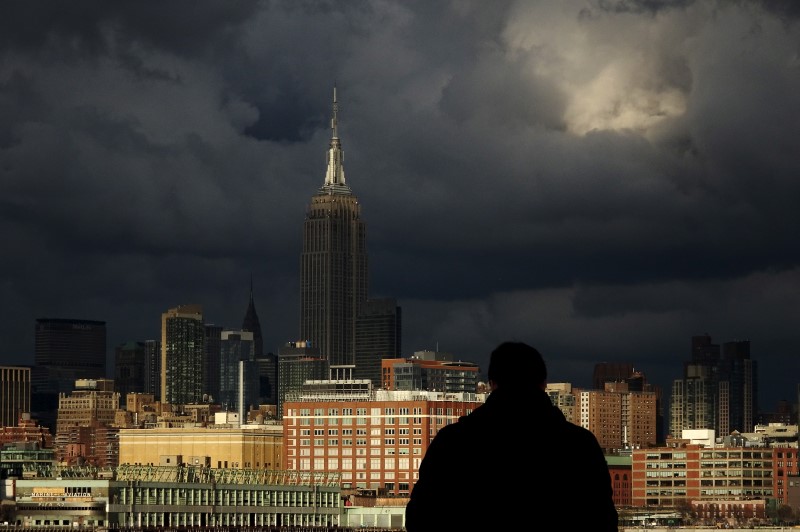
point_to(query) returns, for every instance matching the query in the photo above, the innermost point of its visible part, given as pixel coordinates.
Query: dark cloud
(602, 179)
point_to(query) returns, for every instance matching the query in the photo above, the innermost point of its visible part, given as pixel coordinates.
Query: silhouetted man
(514, 463)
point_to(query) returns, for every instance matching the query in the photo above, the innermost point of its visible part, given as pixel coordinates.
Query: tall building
(65, 350)
(718, 389)
(152, 364)
(251, 323)
(213, 340)
(333, 274)
(129, 369)
(267, 379)
(238, 371)
(378, 336)
(15, 394)
(297, 363)
(183, 355)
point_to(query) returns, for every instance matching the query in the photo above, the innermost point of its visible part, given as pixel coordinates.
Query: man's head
(516, 365)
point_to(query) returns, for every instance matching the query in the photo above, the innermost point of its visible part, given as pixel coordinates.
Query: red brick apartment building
(374, 438)
(727, 476)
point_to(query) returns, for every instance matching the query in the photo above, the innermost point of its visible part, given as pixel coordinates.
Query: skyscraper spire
(251, 323)
(334, 176)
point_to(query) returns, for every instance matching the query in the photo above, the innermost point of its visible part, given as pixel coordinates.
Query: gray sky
(600, 178)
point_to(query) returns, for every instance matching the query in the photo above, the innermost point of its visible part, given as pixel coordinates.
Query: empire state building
(334, 262)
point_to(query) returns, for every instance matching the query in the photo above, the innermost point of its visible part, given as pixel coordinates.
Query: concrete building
(183, 355)
(84, 428)
(375, 438)
(233, 447)
(333, 275)
(15, 394)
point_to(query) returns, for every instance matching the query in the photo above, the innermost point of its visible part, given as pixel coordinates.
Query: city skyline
(603, 180)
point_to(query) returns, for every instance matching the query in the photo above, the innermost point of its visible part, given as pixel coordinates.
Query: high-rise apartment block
(378, 336)
(718, 390)
(183, 355)
(15, 394)
(618, 417)
(375, 438)
(333, 277)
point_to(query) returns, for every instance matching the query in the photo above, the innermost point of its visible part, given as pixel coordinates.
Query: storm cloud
(603, 179)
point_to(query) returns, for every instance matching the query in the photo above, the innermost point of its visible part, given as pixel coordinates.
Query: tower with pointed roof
(251, 323)
(333, 266)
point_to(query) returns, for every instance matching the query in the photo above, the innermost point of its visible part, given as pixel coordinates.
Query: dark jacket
(515, 461)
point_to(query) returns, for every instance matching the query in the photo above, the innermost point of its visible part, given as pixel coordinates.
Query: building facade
(129, 369)
(65, 350)
(254, 446)
(375, 438)
(15, 394)
(183, 355)
(84, 430)
(297, 363)
(718, 390)
(431, 375)
(378, 336)
(675, 475)
(238, 371)
(333, 276)
(152, 364)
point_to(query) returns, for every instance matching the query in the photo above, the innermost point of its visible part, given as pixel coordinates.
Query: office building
(378, 336)
(213, 339)
(183, 355)
(718, 390)
(129, 369)
(267, 365)
(297, 363)
(252, 324)
(238, 372)
(333, 277)
(65, 350)
(15, 394)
